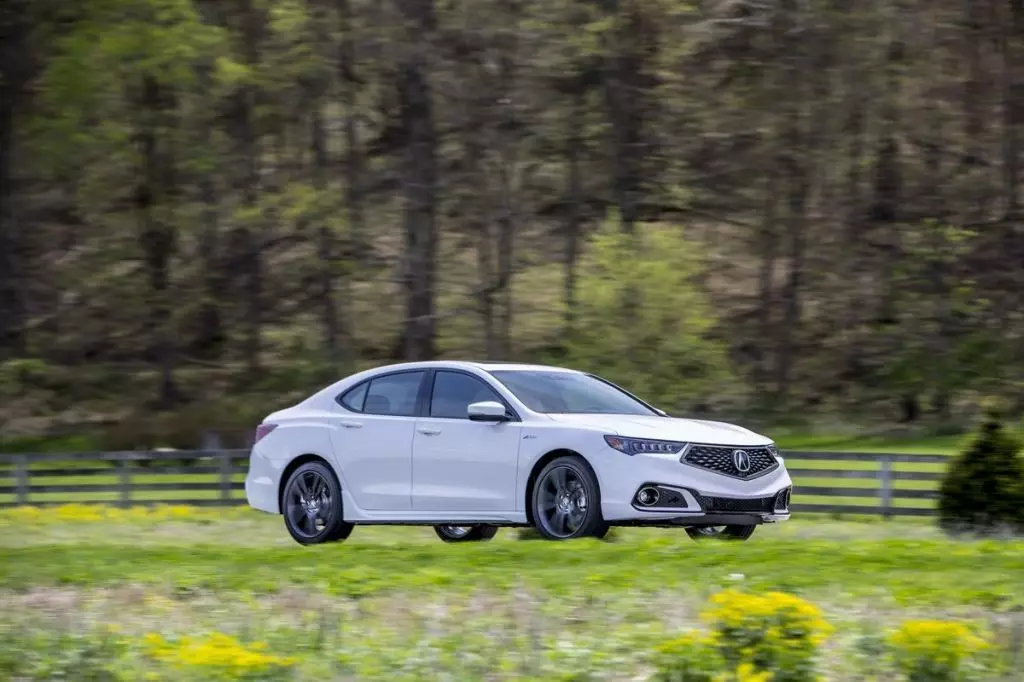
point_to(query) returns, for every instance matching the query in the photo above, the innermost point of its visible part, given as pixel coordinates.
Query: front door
(461, 465)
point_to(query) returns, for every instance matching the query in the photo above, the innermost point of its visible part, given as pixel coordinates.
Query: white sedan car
(467, 447)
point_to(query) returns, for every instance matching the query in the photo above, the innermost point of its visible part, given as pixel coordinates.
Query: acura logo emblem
(742, 460)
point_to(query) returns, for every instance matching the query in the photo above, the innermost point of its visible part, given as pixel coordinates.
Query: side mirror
(487, 411)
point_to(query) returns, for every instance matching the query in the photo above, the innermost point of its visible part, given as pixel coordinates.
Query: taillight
(262, 430)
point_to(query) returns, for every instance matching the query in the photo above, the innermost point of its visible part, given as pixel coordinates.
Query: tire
(312, 507)
(566, 501)
(453, 533)
(720, 532)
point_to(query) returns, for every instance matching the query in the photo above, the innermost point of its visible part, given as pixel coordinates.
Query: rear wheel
(450, 533)
(567, 501)
(720, 532)
(311, 505)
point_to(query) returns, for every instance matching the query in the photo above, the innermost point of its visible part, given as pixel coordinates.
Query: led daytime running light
(634, 446)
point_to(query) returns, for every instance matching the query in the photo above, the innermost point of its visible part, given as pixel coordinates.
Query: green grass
(243, 550)
(398, 604)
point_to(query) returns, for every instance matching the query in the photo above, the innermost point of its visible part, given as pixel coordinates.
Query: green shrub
(937, 651)
(643, 323)
(983, 490)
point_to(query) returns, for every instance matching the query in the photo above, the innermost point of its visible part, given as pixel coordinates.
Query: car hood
(665, 428)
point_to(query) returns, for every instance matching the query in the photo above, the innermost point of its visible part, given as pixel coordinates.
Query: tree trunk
(14, 76)
(574, 216)
(419, 186)
(252, 232)
(622, 93)
(485, 268)
(1013, 105)
(479, 211)
(509, 211)
(325, 238)
(769, 240)
(888, 180)
(353, 149)
(796, 167)
(333, 321)
(156, 236)
(210, 337)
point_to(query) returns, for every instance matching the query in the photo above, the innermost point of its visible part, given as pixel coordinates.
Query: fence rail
(842, 484)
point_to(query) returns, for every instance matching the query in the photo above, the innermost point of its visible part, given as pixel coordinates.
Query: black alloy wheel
(453, 533)
(567, 501)
(720, 532)
(311, 505)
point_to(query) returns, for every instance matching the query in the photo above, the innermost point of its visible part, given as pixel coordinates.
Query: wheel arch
(290, 469)
(539, 465)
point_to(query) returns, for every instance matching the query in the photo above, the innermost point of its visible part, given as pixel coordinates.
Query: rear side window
(394, 394)
(353, 400)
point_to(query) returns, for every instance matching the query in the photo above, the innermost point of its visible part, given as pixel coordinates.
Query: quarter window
(454, 392)
(393, 394)
(353, 400)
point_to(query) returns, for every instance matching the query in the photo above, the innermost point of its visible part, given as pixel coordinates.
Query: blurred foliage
(983, 489)
(218, 656)
(643, 322)
(774, 633)
(938, 651)
(209, 209)
(691, 656)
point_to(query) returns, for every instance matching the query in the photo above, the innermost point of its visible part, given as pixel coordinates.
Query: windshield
(568, 393)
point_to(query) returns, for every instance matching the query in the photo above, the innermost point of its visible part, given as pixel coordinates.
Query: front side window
(393, 394)
(553, 392)
(454, 392)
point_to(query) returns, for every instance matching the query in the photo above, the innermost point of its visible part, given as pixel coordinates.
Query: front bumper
(692, 495)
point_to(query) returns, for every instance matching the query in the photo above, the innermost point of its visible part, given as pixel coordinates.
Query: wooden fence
(824, 482)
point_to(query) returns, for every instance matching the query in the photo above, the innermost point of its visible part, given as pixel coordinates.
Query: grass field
(397, 603)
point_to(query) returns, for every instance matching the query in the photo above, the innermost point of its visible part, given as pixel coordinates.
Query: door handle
(427, 431)
(352, 425)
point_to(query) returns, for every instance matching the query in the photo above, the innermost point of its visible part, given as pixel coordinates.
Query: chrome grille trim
(718, 459)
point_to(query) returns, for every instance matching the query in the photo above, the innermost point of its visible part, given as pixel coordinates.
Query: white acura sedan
(467, 447)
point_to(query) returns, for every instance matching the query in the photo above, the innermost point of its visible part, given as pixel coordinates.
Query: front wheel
(567, 501)
(720, 532)
(450, 533)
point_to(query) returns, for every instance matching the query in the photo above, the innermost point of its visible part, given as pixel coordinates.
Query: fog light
(782, 500)
(648, 496)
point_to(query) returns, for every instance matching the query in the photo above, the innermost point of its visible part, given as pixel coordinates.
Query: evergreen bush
(983, 489)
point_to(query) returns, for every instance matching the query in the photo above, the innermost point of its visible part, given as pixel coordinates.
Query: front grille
(723, 460)
(732, 504)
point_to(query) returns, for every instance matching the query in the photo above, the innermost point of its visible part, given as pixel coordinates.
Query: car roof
(486, 365)
(329, 392)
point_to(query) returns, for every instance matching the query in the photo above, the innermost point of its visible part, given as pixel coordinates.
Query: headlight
(633, 446)
(773, 451)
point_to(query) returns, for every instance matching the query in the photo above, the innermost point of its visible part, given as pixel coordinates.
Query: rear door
(458, 464)
(373, 438)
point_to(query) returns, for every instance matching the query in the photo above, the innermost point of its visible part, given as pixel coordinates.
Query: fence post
(886, 487)
(125, 482)
(225, 474)
(21, 479)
